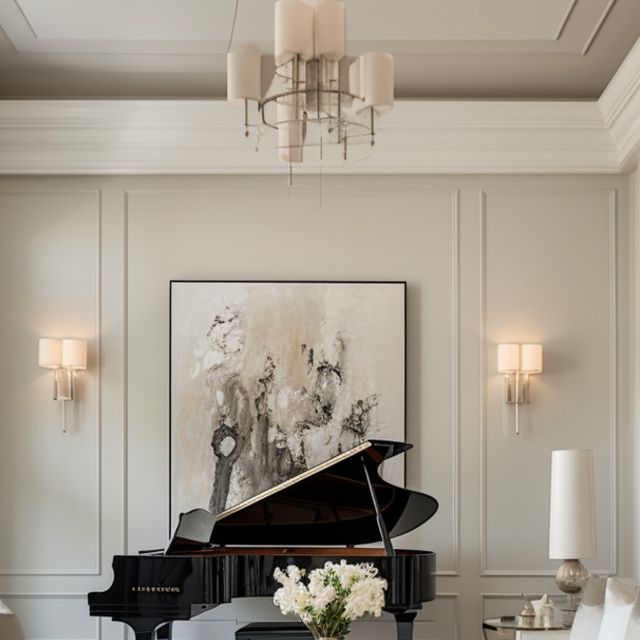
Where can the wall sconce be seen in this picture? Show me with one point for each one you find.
(517, 362)
(64, 357)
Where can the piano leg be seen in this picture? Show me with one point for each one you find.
(404, 624)
(165, 632)
(149, 629)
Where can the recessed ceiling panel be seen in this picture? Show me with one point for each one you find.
(368, 19)
(128, 19)
(457, 19)
(442, 48)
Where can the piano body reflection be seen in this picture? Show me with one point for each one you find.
(316, 516)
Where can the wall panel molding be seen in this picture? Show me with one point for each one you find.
(485, 569)
(96, 570)
(59, 596)
(598, 26)
(455, 210)
(310, 189)
(455, 384)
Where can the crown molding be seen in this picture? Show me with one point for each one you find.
(620, 107)
(417, 136)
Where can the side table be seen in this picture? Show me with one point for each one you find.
(507, 624)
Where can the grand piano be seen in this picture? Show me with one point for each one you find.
(318, 515)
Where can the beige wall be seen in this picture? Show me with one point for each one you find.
(487, 260)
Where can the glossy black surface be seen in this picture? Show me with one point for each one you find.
(330, 507)
(274, 631)
(206, 581)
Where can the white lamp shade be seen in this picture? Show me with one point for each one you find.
(50, 353)
(330, 29)
(508, 358)
(293, 30)
(376, 81)
(290, 139)
(531, 358)
(243, 76)
(572, 525)
(354, 77)
(74, 354)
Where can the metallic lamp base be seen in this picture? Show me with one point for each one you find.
(572, 576)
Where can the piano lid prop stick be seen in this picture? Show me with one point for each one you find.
(381, 525)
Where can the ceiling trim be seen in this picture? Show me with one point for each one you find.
(596, 30)
(27, 22)
(620, 108)
(437, 137)
(5, 37)
(565, 19)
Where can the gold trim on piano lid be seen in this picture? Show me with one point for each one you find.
(288, 483)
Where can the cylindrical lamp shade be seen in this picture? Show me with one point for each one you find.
(354, 78)
(531, 358)
(243, 76)
(330, 29)
(74, 354)
(572, 524)
(294, 30)
(290, 139)
(376, 81)
(50, 353)
(508, 358)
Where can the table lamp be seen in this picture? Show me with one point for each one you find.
(572, 525)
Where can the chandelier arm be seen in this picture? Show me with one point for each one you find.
(296, 92)
(264, 121)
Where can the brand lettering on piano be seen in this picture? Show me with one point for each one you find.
(156, 589)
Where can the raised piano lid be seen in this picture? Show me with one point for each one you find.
(330, 504)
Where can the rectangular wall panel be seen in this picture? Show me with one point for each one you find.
(49, 258)
(54, 617)
(549, 277)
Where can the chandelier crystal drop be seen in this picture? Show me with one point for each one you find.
(320, 102)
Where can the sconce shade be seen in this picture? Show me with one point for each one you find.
(50, 353)
(74, 354)
(508, 358)
(531, 358)
(572, 525)
(243, 76)
(522, 358)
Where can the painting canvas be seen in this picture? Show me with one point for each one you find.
(269, 379)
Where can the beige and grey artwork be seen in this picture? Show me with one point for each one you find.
(269, 379)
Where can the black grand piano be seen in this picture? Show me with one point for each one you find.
(328, 509)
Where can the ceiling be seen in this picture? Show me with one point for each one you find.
(513, 49)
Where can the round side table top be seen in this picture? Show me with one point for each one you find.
(509, 622)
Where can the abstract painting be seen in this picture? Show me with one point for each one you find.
(269, 379)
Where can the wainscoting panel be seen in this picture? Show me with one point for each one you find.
(54, 617)
(486, 259)
(566, 301)
(50, 502)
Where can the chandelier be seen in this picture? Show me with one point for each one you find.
(320, 103)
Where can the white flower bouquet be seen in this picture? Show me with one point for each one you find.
(332, 598)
